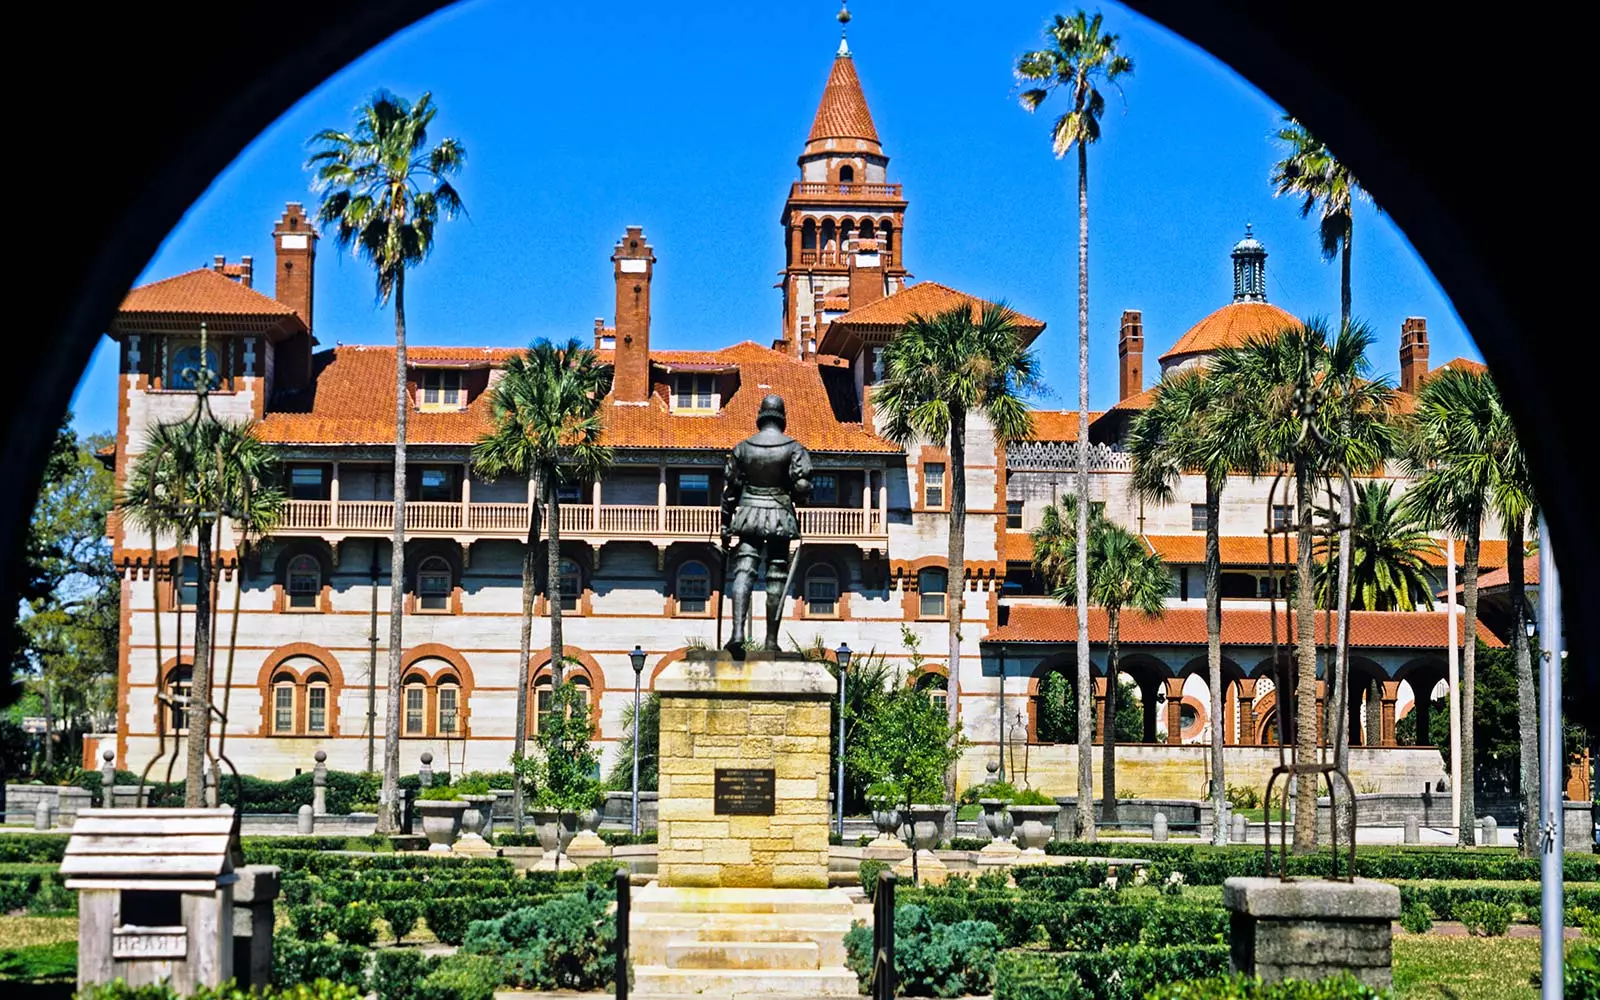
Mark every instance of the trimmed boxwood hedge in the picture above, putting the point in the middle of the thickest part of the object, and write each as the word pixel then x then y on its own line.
pixel 1117 974
pixel 1205 865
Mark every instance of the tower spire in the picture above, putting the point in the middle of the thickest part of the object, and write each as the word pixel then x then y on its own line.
pixel 844 26
pixel 1249 269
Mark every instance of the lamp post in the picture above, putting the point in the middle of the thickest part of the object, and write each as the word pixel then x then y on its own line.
pixel 843 655
pixel 637 656
pixel 1554 763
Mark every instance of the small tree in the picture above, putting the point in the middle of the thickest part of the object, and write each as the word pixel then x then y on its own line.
pixel 566 775
pixel 907 746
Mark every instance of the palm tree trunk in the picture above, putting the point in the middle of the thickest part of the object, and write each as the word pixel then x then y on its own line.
pixel 388 818
pixel 1081 542
pixel 1468 777
pixel 1527 694
pixel 530 576
pixel 1344 272
pixel 1219 788
pixel 1108 740
pixel 956 575
pixel 1339 696
pixel 1305 709
pixel 552 530
pixel 194 780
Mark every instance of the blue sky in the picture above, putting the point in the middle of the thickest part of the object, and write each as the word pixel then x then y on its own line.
pixel 580 119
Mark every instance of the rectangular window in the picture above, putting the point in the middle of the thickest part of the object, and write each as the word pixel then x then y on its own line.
pixel 1197 517
pixel 442 391
pixel 433 588
pixel 447 711
pixel 541 706
pixel 569 492
pixel 189 584
pixel 283 709
pixel 695 393
pixel 305 586
pixel 932 604
pixel 1013 515
pixel 436 484
pixel 317 709
pixel 822 595
pixel 184 364
pixel 308 482
pixel 694 489
pixel 694 593
pixel 933 485
pixel 824 489
pixel 1282 516
pixel 414 697
pixel 571 585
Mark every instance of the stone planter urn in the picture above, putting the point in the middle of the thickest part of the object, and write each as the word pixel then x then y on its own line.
pixel 886 818
pixel 589 821
pixel 441 821
pixel 479 816
pixel 997 819
pixel 927 825
pixel 555 831
pixel 1034 826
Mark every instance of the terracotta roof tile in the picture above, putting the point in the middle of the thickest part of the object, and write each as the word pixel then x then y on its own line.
pixel 201 292
pixel 925 298
pixel 843 112
pixel 1138 401
pixel 1502 576
pixel 1058 425
pixel 1030 623
pixel 1231 326
pixel 352 403
pixel 1235 550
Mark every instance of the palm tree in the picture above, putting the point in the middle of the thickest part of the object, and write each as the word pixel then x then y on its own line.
pixel 547 425
pixel 1077 60
pixel 1123 575
pixel 384 190
pixel 1388 542
pixel 1311 172
pixel 938 371
pixel 1310 404
pixel 1467 460
pixel 1180 432
pixel 190 477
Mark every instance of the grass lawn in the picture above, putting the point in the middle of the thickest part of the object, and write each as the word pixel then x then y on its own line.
pixel 38 949
pixel 1445 968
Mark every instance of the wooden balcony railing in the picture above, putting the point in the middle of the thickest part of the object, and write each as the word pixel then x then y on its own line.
pixel 301 517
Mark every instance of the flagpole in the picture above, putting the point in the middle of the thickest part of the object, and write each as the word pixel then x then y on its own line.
pixel 1454 660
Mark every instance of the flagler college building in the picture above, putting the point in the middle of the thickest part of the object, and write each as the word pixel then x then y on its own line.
pixel 640 561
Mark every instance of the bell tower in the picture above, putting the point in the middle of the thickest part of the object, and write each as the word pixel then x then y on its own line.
pixel 843 222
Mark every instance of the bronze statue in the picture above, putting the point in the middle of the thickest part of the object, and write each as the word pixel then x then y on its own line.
pixel 765 474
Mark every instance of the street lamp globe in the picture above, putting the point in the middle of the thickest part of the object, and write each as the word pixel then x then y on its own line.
pixel 637 656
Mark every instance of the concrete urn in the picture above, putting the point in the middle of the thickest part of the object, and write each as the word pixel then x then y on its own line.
pixel 1034 825
pixel 927 825
pixel 554 830
pixel 441 821
pixel 885 817
pixel 478 818
pixel 997 819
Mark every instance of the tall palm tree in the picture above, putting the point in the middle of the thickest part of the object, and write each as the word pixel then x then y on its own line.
pixel 547 408
pixel 1469 464
pixel 1310 403
pixel 938 371
pixel 1309 171
pixel 1055 560
pixel 1123 575
pixel 191 476
pixel 1078 59
pixel 384 190
pixel 1388 542
pixel 1180 432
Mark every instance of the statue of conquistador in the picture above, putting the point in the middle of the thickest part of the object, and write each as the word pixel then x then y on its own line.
pixel 764 476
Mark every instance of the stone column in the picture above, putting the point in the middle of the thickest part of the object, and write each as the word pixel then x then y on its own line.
pixel 1374 734
pixel 1311 929
pixel 1391 693
pixel 1147 701
pixel 1247 711
pixel 253 917
pixel 1174 711
pixel 1099 711
pixel 319 784
pixel 108 776
pixel 1422 708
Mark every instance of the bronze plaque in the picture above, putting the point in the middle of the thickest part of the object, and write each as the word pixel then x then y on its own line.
pixel 744 791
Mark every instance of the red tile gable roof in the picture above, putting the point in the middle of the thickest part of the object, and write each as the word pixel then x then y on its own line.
pixel 843 112
pixel 1058 425
pixel 925 298
pixel 1231 326
pixel 1029 623
pixel 201 292
pixel 1502 576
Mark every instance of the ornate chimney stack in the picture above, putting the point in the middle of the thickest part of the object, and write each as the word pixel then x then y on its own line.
pixel 634 263
pixel 1130 354
pixel 1413 353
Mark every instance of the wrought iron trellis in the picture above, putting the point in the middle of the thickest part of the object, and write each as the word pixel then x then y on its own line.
pixel 1307 400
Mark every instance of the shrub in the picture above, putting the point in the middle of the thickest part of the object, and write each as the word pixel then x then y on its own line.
pixel 563 943
pixel 36 888
pixel 33 848
pixel 355 923
pixel 311 922
pixel 995 881
pixel 440 793
pixel 930 959
pixel 1032 797
pixel 321 989
pixel 1484 919
pixel 1342 987
pixel 297 962
pixel 401 915
pixel 1118 974
pixel 869 871
pixel 398 972
pixel 1415 919
pixel 460 977
pixel 1581 971
pixel 1243 797
pixel 34 963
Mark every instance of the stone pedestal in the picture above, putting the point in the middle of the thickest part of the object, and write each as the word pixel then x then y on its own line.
pixel 253 898
pixel 1312 929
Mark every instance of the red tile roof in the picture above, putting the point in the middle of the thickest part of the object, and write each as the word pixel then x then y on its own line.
pixel 1231 326
pixel 202 292
pixel 1235 550
pixel 1502 577
pixel 1240 627
pixel 353 403
pixel 925 298
pixel 843 112
pixel 1138 401
pixel 1058 425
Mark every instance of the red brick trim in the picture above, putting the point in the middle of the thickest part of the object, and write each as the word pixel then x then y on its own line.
pixel 274 665
pixel 463 674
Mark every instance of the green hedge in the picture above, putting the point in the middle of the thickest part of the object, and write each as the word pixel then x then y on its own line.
pixel 1118 974
pixel 566 942
pixel 37 888
pixel 1344 987
pixel 22 848
pixel 930 958
pixel 1204 865
pixel 40 963
pixel 319 990
pixel 295 962
pixel 1445 900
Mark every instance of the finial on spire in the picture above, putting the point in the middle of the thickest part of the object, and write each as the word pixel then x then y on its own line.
pixel 844 24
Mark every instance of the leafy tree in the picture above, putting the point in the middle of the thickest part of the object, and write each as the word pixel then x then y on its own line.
pixel 938 371
pixel 1459 446
pixel 547 408
pixel 566 776
pixel 384 190
pixel 647 730
pixel 1309 171
pixel 1077 60
pixel 1308 401
pixel 1388 541
pixel 190 477
pixel 1057 714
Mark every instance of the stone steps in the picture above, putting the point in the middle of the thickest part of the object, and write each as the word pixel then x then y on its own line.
pixel 663 982
pixel 725 955
pixel 788 902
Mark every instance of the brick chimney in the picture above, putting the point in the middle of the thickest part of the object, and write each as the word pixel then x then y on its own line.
pixel 295 241
pixel 866 273
pixel 634 264
pixel 242 272
pixel 1130 354
pixel 1413 353
pixel 605 337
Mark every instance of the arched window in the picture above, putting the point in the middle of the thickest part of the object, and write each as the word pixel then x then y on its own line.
pixel 283 705
pixel 693 588
pixel 449 706
pixel 317 689
pixel 847 174
pixel 828 233
pixel 571 585
pixel 886 232
pixel 416 706
pixel 808 235
pixel 867 231
pixel 822 591
pixel 180 681
pixel 937 686
pixel 304 581
pixel 931 584
pixel 544 690
pixel 434 584
pixel 1054 708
